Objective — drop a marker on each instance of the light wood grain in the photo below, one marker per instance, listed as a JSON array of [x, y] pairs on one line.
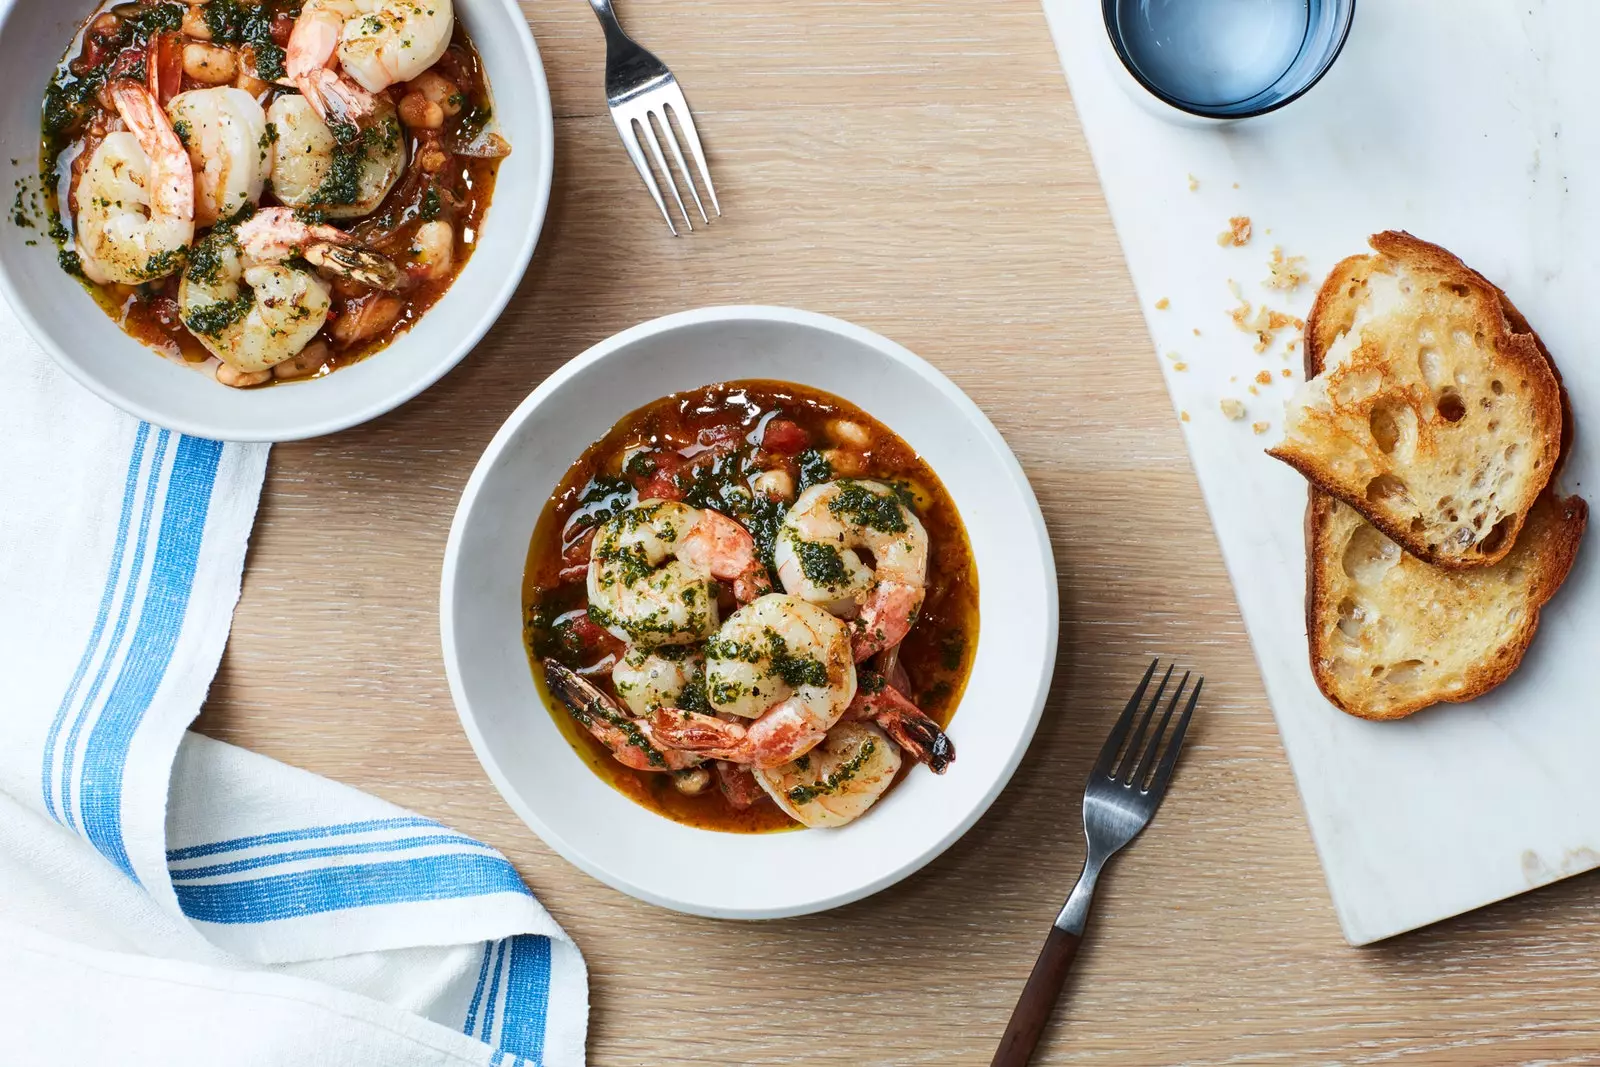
[[915, 167]]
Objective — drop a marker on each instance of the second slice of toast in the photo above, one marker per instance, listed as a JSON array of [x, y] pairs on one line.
[[1390, 634]]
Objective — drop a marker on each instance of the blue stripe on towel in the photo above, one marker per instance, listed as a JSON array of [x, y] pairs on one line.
[[287, 896], [309, 833], [152, 489], [470, 1027], [183, 524], [113, 573], [397, 845], [527, 996], [494, 992]]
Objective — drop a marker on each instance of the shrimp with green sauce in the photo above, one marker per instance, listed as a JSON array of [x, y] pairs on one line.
[[779, 662], [819, 559], [651, 570], [838, 780]]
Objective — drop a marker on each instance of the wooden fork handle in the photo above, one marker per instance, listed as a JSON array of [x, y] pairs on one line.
[[1038, 999]]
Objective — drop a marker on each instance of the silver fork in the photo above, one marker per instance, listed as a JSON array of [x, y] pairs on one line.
[[1122, 794], [639, 87]]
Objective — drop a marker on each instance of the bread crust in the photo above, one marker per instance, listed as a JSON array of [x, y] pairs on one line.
[[1513, 340], [1554, 555], [1558, 536]]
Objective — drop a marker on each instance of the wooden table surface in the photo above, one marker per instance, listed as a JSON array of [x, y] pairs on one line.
[[914, 166]]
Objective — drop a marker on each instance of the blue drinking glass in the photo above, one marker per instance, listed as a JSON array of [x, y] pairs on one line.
[[1228, 59]]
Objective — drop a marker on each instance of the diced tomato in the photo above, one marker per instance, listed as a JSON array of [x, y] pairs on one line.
[[663, 484], [578, 551], [786, 437], [594, 637], [738, 784], [281, 27], [721, 435]]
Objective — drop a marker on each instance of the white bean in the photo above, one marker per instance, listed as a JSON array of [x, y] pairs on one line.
[[774, 483], [850, 434]]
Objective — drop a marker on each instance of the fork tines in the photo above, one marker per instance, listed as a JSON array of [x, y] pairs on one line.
[[645, 112], [1137, 767]]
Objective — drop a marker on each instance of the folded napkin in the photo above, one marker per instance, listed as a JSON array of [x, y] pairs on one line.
[[165, 897]]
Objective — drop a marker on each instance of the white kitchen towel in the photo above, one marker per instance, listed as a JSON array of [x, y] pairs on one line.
[[163, 896]]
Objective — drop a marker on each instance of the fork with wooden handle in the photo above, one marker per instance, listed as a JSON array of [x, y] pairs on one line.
[[1124, 790]]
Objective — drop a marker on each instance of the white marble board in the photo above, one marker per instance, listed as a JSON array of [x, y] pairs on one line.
[[1469, 123]]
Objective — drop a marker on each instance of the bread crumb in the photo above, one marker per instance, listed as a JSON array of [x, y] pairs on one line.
[[1293, 342], [1232, 408], [1286, 273], [1236, 185], [1251, 390], [1264, 377], [1197, 331], [1173, 356], [1194, 183], [1163, 304], [1262, 321], [1183, 415], [1261, 427], [1287, 373], [1237, 235], [1180, 366]]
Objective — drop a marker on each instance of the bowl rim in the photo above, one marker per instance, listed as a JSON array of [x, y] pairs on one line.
[[388, 399], [665, 324]]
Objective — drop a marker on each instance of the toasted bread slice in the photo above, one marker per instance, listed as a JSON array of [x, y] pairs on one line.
[[1391, 635], [1429, 407]]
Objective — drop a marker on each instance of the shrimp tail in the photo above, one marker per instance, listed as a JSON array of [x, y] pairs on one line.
[[770, 741], [337, 100], [694, 731], [886, 619], [171, 174], [754, 582], [358, 264], [630, 740], [903, 721]]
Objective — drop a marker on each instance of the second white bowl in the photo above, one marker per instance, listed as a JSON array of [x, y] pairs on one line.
[[630, 847]]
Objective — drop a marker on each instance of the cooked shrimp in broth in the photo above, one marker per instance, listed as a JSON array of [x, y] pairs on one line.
[[838, 780], [168, 124], [780, 662], [818, 558], [675, 573], [225, 131], [135, 201]]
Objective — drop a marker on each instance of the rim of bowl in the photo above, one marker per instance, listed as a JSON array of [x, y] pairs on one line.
[[1107, 13], [725, 313], [391, 399]]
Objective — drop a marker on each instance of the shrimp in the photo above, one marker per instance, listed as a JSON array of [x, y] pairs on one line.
[[651, 567], [838, 780], [246, 305], [672, 676], [780, 661], [309, 61], [630, 740], [878, 701], [310, 169], [225, 131], [818, 561], [135, 201], [376, 43], [276, 233]]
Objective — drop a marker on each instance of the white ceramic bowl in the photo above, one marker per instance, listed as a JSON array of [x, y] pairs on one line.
[[83, 339], [628, 846]]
